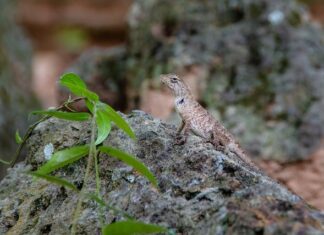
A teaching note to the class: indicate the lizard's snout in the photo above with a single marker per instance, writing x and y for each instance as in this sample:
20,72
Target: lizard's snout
163,79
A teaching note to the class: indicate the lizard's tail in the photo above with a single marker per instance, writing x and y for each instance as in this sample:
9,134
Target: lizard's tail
233,147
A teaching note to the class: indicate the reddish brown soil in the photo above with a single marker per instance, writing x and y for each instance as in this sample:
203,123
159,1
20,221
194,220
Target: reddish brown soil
317,11
304,178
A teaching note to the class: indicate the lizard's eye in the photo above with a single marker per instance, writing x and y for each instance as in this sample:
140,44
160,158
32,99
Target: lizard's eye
174,80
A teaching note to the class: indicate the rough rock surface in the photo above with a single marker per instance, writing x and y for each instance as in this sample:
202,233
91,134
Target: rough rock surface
16,98
202,191
262,62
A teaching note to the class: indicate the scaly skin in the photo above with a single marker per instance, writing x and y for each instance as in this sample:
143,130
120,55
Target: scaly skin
197,119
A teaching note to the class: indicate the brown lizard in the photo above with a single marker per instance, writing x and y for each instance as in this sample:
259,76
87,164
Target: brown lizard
198,120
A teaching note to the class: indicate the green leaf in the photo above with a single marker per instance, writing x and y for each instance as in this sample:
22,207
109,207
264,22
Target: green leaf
65,115
55,180
77,86
18,138
103,125
131,161
118,120
89,105
63,158
72,79
130,227
5,162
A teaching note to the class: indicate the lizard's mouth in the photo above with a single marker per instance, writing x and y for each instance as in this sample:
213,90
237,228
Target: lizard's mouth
165,85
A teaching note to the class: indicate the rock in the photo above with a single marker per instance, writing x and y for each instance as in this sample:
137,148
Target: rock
262,66
202,191
16,98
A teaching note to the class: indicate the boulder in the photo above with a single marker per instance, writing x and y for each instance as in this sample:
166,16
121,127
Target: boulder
201,190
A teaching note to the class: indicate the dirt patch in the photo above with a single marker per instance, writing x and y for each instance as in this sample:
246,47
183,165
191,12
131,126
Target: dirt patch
304,178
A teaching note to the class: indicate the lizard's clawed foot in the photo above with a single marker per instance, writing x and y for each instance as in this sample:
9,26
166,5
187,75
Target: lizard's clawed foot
180,140
220,148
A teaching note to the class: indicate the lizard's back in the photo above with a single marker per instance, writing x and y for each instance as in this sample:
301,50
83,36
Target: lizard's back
203,124
200,121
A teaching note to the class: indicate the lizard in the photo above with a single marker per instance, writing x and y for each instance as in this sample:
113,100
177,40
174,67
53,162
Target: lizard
199,121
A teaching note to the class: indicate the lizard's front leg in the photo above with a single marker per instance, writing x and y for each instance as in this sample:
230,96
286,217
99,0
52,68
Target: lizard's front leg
180,128
181,139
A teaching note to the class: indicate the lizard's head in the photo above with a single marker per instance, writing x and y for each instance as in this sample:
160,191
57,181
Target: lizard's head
177,86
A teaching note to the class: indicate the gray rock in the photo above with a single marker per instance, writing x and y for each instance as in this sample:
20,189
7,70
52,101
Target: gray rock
202,191
16,98
263,61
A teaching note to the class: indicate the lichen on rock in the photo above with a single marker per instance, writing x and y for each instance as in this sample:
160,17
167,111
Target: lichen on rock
202,191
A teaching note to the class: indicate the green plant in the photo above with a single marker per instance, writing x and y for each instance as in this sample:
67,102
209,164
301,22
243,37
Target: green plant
101,115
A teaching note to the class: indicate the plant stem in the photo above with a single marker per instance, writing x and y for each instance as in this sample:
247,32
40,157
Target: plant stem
101,218
91,157
97,176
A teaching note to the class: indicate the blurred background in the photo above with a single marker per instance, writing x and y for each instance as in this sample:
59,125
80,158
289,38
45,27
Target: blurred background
257,65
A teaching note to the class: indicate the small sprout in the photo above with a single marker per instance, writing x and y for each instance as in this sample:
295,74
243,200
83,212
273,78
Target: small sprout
48,151
101,115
